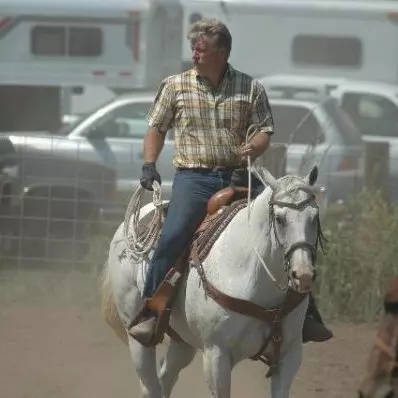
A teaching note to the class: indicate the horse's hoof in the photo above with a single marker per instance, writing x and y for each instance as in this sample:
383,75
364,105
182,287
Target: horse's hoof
144,331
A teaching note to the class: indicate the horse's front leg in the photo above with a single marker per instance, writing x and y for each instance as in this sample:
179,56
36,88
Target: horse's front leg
288,367
144,359
217,371
178,356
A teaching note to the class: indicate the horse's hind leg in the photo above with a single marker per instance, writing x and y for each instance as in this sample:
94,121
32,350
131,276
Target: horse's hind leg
217,370
178,356
144,360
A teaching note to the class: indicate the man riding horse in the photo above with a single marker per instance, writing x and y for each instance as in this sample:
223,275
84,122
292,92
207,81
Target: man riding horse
210,108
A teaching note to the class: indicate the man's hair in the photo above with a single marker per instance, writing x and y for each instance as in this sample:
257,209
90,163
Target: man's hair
211,28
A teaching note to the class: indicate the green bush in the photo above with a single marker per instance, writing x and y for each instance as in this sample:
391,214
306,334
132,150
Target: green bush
362,255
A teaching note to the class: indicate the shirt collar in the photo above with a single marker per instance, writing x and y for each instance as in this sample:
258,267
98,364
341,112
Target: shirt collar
228,74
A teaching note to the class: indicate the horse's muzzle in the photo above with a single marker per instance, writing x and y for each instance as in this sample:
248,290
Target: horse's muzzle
302,283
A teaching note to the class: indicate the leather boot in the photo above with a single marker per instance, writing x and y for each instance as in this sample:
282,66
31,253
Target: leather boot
144,331
314,328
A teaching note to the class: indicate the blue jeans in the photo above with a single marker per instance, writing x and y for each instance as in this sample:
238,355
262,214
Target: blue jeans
191,191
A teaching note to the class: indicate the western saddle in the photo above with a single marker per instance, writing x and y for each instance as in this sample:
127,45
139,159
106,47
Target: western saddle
221,209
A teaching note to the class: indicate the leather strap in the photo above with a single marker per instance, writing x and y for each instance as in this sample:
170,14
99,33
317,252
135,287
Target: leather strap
273,316
244,307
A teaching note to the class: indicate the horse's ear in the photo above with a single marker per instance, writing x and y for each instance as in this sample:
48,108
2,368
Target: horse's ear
312,176
265,176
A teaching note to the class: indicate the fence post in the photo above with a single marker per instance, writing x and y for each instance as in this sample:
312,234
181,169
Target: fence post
274,159
377,167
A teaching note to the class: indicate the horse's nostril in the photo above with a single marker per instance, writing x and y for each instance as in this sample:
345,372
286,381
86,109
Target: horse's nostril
294,274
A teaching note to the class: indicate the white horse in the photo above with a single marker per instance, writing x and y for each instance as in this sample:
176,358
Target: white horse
250,260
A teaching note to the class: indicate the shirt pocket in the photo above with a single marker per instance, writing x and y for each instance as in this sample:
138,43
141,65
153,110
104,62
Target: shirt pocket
194,112
238,112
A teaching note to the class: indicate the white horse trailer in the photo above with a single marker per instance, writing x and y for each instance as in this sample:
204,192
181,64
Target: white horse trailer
341,38
50,50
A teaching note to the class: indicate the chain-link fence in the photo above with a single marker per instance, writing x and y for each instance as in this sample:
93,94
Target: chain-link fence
63,206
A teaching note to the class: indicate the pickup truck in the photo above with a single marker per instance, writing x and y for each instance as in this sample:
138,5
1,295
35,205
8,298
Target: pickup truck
90,167
117,129
372,106
53,194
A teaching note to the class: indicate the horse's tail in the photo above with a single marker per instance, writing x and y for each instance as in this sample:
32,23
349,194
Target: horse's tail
108,305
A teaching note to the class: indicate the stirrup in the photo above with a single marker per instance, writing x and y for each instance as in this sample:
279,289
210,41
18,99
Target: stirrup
155,335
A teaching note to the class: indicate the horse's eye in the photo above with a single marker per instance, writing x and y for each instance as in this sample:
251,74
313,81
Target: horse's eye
280,219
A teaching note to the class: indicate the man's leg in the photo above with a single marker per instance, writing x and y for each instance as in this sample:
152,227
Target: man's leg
187,208
314,329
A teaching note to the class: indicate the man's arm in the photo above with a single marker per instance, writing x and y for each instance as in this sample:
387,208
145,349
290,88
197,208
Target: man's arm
262,118
257,145
160,119
153,144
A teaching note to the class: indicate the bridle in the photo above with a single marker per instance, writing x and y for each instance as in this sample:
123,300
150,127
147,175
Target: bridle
313,248
320,237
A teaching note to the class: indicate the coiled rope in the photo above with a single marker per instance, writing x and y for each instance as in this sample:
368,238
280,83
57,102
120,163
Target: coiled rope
140,244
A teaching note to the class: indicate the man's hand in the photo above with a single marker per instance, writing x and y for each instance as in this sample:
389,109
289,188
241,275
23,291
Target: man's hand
257,145
149,175
246,150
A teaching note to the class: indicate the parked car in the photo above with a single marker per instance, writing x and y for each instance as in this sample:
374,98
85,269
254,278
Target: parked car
318,132
373,107
117,130
301,86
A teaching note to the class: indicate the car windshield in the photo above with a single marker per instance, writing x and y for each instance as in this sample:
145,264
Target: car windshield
137,110
350,132
296,124
68,127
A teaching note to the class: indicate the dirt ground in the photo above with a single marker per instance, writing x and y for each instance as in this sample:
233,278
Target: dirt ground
53,343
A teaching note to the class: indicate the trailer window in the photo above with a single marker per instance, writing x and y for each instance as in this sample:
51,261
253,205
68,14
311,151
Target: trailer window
327,51
66,41
48,40
85,42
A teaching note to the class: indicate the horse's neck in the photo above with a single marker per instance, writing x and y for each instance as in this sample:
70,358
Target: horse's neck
260,230
236,246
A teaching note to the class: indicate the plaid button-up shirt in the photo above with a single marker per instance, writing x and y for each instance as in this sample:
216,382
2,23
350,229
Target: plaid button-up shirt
210,124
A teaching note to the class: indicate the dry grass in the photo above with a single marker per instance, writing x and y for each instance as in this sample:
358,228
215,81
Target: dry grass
362,256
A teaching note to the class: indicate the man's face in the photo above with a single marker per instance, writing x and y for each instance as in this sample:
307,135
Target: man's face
205,55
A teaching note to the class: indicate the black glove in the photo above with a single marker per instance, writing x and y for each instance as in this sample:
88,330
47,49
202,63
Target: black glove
149,175
240,178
